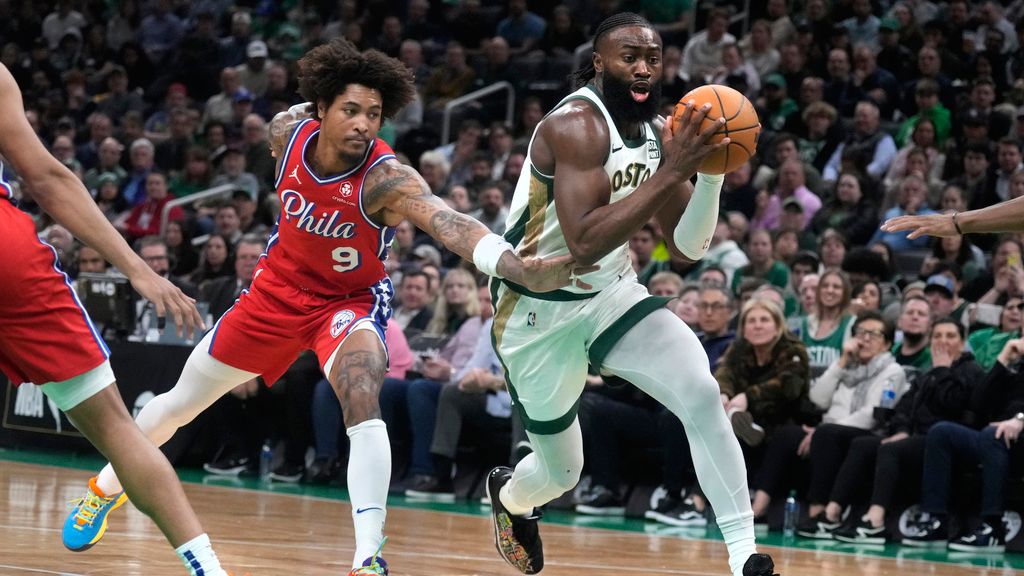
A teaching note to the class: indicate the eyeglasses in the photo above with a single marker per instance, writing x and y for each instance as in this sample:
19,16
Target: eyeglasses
1019,307
868,334
712,306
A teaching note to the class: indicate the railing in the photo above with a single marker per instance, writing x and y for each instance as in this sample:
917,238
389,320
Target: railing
222,190
446,123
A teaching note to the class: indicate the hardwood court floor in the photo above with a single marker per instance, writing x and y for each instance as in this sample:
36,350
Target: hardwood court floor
269,533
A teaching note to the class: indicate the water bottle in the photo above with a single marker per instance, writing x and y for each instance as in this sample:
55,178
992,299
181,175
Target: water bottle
888,400
792,516
266,457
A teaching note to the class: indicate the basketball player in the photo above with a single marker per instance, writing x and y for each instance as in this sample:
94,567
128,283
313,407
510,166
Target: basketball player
321,283
46,337
1006,216
597,172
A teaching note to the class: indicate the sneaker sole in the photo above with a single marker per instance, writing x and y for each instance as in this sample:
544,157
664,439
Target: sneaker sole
284,478
224,471
601,510
431,496
743,427
976,549
816,535
923,543
856,540
666,519
103,526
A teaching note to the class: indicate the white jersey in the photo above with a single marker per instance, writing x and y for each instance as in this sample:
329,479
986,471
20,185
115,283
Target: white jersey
532,225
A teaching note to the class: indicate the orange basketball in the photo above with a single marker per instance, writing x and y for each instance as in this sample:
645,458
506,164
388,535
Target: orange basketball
741,126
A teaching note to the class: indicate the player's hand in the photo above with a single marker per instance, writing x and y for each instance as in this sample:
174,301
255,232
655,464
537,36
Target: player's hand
933,225
547,274
169,301
687,146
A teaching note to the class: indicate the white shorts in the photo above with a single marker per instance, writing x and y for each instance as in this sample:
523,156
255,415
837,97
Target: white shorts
547,344
71,392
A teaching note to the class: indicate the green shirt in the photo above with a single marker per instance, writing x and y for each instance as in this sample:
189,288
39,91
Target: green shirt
823,352
922,360
940,117
987,343
777,275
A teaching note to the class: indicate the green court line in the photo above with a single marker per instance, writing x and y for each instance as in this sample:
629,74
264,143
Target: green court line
1012,561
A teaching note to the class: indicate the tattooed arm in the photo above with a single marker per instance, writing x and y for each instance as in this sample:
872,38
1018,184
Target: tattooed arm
397,192
281,128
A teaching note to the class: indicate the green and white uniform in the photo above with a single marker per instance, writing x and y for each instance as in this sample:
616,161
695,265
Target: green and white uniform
547,340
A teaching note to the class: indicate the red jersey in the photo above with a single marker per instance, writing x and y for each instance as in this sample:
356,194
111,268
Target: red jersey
324,241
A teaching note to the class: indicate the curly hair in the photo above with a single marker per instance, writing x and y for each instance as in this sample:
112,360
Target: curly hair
326,71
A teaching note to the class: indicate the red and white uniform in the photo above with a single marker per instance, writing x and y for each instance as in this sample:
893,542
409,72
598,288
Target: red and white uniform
45,333
322,273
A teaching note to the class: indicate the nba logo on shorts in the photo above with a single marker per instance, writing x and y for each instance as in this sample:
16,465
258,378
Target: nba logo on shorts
346,189
340,321
531,319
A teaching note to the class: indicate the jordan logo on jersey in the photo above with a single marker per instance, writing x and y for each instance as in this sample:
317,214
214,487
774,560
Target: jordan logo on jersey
297,209
295,174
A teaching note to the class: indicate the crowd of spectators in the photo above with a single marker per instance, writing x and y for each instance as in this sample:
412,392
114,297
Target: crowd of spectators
853,363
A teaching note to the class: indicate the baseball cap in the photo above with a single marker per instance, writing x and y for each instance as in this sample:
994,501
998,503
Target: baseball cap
427,252
792,203
976,118
257,49
889,23
915,285
940,282
242,95
106,177
775,79
807,257
177,88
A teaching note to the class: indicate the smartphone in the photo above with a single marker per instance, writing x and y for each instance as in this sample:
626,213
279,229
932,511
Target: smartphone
1013,260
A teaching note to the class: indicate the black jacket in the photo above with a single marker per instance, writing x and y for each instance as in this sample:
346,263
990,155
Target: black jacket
939,394
999,397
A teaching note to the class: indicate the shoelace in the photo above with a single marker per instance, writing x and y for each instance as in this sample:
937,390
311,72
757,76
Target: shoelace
88,507
374,567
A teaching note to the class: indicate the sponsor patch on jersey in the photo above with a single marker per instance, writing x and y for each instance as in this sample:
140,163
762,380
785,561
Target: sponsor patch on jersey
341,321
346,189
652,150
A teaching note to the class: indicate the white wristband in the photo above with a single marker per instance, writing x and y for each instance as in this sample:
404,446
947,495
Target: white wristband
697,224
487,253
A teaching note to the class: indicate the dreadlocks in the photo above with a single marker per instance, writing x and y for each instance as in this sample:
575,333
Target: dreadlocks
584,75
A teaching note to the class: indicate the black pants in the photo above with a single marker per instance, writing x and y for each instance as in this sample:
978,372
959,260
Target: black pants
885,468
781,462
677,463
612,429
829,448
457,410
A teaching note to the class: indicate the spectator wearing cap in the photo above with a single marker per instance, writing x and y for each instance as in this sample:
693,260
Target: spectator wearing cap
850,210
792,219
940,290
253,73
109,163
868,147
863,25
64,18
777,106
160,32
219,106
233,172
233,47
703,52
241,106
117,100
893,56
790,184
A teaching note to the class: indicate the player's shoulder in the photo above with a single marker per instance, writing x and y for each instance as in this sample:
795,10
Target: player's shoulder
578,123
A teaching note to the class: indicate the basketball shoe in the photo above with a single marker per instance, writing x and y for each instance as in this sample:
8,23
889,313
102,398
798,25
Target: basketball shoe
759,565
88,520
516,538
374,565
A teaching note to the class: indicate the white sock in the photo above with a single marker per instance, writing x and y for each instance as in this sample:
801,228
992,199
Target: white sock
199,557
738,532
369,475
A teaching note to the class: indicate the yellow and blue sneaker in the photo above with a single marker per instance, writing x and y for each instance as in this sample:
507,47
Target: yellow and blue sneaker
374,565
88,521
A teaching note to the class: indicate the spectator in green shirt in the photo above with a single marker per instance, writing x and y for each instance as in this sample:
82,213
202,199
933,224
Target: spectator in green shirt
926,95
987,343
762,262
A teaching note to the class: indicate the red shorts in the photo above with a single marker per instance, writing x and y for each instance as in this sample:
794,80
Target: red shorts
45,333
273,322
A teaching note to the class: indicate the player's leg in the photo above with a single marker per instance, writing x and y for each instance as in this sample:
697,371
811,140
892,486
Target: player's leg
356,372
95,407
203,380
692,395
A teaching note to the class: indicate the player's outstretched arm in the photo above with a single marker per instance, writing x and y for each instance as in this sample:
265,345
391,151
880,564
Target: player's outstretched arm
575,141
397,192
1002,217
65,198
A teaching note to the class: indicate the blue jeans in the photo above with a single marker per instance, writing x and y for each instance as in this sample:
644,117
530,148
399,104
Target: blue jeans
421,399
949,441
327,420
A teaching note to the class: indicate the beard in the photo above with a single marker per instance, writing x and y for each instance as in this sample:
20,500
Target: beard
619,100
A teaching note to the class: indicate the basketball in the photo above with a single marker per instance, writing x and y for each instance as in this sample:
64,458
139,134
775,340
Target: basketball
741,126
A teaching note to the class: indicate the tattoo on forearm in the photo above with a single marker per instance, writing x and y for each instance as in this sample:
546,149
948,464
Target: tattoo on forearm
455,231
392,181
356,378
